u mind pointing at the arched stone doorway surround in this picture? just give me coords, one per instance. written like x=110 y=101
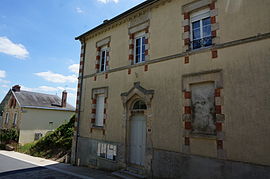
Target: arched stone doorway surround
x=135 y=94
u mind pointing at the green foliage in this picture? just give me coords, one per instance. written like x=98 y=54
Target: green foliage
x=9 y=135
x=53 y=143
x=25 y=148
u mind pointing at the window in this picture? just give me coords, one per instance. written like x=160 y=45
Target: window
x=139 y=51
x=15 y=119
x=7 y=118
x=100 y=110
x=38 y=136
x=200 y=29
x=139 y=105
x=103 y=59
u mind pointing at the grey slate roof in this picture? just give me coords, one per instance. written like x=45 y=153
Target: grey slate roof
x=40 y=100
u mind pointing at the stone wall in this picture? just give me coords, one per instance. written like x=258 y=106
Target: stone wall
x=177 y=165
x=87 y=155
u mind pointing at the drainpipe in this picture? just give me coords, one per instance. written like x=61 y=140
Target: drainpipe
x=79 y=105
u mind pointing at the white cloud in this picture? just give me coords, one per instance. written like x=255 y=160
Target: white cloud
x=74 y=68
x=57 y=78
x=4 y=86
x=2 y=74
x=79 y=10
x=10 y=48
x=107 y=1
x=4 y=81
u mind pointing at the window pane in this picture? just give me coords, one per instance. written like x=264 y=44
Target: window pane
x=143 y=49
x=206 y=21
x=196 y=25
x=196 y=34
x=100 y=110
x=103 y=60
x=206 y=31
x=138 y=50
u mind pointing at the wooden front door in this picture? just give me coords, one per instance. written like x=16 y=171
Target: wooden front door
x=137 y=139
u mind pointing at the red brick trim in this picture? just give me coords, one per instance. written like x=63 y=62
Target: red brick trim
x=212 y=6
x=218 y=126
x=213 y=19
x=146 y=41
x=186 y=15
x=146 y=52
x=106 y=75
x=186 y=28
x=218 y=109
x=214 y=53
x=187 y=41
x=187 y=109
x=95 y=78
x=217 y=92
x=94 y=101
x=129 y=71
x=214 y=33
x=187 y=95
x=219 y=144
x=188 y=125
x=186 y=60
x=187 y=141
x=145 y=67
x=130 y=57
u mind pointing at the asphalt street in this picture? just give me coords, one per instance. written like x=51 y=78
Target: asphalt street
x=17 y=169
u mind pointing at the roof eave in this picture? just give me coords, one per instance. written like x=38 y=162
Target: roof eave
x=120 y=16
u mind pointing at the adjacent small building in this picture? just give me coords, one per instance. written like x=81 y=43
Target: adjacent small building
x=33 y=114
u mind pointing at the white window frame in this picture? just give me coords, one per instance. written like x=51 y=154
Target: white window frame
x=140 y=35
x=198 y=16
x=103 y=49
x=15 y=119
x=100 y=106
x=7 y=118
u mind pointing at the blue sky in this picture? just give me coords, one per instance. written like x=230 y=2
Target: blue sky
x=37 y=46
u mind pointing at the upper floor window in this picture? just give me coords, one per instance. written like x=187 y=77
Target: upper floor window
x=7 y=117
x=15 y=119
x=139 y=48
x=103 y=59
x=200 y=29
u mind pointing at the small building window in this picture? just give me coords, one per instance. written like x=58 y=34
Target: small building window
x=106 y=151
x=103 y=59
x=7 y=118
x=200 y=29
x=139 y=105
x=100 y=110
x=15 y=119
x=38 y=136
x=139 y=48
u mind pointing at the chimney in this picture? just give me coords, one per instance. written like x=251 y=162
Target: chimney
x=64 y=99
x=16 y=88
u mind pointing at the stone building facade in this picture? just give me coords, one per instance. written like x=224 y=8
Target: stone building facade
x=177 y=88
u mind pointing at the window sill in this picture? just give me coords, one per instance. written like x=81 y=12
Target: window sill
x=98 y=127
x=203 y=136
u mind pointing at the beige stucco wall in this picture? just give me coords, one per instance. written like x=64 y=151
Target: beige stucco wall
x=37 y=120
x=245 y=70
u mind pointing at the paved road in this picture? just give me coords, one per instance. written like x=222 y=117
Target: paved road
x=17 y=169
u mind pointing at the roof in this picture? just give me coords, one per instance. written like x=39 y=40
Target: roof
x=29 y=99
x=124 y=14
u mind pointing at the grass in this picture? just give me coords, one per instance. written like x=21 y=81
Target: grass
x=25 y=148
